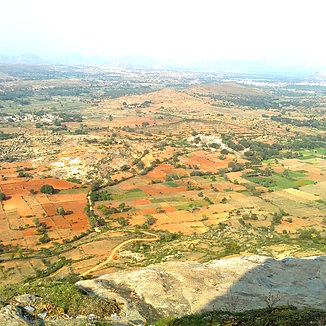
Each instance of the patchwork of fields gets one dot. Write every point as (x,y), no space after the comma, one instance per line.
(179,202)
(26,206)
(211,170)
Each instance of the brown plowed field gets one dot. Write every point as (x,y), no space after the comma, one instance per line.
(21,208)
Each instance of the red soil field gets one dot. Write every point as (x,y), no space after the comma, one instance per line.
(141,202)
(148,211)
(156,174)
(28,232)
(16,228)
(206,164)
(15,186)
(168,209)
(161,170)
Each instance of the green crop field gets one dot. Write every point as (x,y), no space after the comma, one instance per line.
(135,193)
(278,181)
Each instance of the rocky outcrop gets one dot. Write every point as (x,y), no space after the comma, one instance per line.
(21,311)
(240,283)
(179,288)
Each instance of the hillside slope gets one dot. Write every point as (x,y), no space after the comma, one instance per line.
(234,284)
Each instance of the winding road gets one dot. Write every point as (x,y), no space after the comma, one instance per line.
(118,247)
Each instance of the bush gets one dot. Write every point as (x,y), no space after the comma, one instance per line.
(21,174)
(224,151)
(150,220)
(122,221)
(95,220)
(285,315)
(235,166)
(309,234)
(231,248)
(100,195)
(62,294)
(47,189)
(37,222)
(125,167)
(2,196)
(45,238)
(74,180)
(96,185)
(92,220)
(61,211)
(167,236)
(208,201)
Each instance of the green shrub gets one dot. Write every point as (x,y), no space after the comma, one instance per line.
(62,294)
(45,238)
(47,189)
(122,221)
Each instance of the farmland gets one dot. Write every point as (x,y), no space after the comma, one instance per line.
(213,167)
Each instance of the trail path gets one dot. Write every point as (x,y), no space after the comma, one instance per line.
(118,247)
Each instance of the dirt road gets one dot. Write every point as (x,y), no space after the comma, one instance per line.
(118,247)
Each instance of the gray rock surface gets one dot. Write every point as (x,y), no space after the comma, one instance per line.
(240,283)
(179,288)
(10,315)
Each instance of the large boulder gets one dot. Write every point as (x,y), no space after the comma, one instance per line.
(234,284)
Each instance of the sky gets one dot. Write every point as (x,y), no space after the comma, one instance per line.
(278,32)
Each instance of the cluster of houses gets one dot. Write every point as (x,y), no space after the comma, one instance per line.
(31,117)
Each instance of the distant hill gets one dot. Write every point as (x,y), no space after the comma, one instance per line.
(226,89)
(28,58)
(319,76)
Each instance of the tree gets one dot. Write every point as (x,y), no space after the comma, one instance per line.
(235,166)
(45,238)
(140,164)
(150,220)
(122,221)
(2,196)
(47,189)
(224,151)
(61,211)
(37,222)
(125,167)
(96,185)
(224,200)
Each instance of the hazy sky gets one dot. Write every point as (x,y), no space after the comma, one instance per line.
(286,32)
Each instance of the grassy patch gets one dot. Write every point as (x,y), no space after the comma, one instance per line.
(171,184)
(167,199)
(311,154)
(191,205)
(279,181)
(134,193)
(269,316)
(245,192)
(61,294)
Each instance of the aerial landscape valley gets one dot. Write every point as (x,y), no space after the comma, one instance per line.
(174,166)
(162,163)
